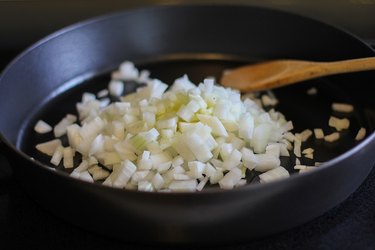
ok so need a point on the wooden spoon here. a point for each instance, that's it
(277, 73)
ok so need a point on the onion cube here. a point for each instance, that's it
(183, 186)
(342, 107)
(42, 127)
(332, 137)
(274, 174)
(319, 134)
(48, 147)
(339, 124)
(230, 179)
(361, 134)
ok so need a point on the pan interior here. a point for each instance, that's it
(306, 111)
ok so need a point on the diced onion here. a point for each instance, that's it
(183, 186)
(60, 128)
(361, 134)
(57, 155)
(308, 151)
(332, 137)
(339, 124)
(312, 91)
(68, 154)
(305, 135)
(269, 101)
(319, 134)
(297, 146)
(178, 139)
(274, 174)
(230, 179)
(48, 147)
(342, 107)
(42, 127)
(116, 88)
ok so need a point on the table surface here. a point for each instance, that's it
(24, 224)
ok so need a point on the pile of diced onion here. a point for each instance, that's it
(180, 138)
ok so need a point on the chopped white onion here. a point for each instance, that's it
(361, 134)
(60, 128)
(318, 132)
(269, 101)
(274, 174)
(128, 71)
(312, 91)
(85, 176)
(68, 154)
(305, 135)
(183, 186)
(297, 145)
(102, 93)
(202, 183)
(57, 155)
(230, 179)
(48, 147)
(116, 88)
(309, 156)
(339, 124)
(308, 151)
(266, 162)
(332, 137)
(173, 140)
(342, 107)
(42, 127)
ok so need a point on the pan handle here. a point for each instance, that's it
(5, 169)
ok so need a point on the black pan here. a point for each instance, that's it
(46, 80)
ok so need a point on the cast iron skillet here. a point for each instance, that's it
(47, 79)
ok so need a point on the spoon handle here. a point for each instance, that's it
(351, 65)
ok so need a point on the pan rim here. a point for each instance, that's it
(134, 11)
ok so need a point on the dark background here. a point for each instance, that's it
(25, 225)
(24, 22)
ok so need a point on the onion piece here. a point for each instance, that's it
(318, 132)
(297, 145)
(339, 124)
(48, 147)
(60, 128)
(266, 162)
(183, 186)
(57, 155)
(214, 123)
(42, 127)
(361, 134)
(305, 135)
(202, 183)
(308, 151)
(128, 71)
(274, 174)
(342, 107)
(175, 140)
(230, 179)
(102, 93)
(269, 101)
(145, 186)
(122, 174)
(68, 154)
(196, 169)
(312, 91)
(309, 156)
(249, 159)
(332, 137)
(85, 176)
(157, 181)
(83, 166)
(234, 160)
